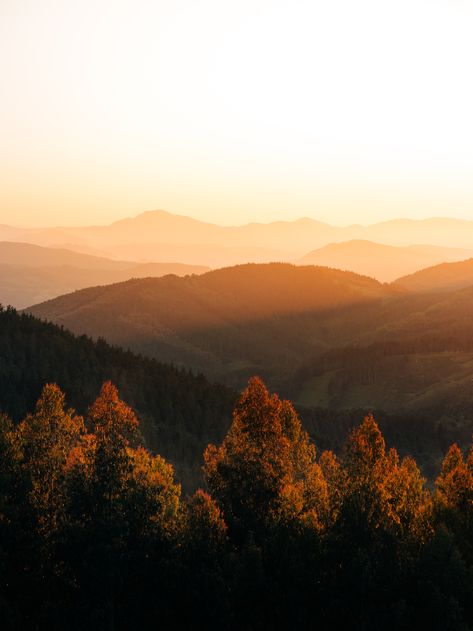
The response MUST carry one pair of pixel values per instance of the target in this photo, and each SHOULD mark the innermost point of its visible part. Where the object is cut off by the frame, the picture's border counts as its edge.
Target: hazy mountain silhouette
(31, 273)
(383, 262)
(30, 255)
(208, 255)
(443, 277)
(154, 235)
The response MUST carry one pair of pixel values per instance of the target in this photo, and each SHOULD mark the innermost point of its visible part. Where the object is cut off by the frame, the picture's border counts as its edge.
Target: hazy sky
(342, 110)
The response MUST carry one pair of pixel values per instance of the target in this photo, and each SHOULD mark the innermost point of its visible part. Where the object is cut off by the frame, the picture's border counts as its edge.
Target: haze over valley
(236, 315)
(158, 243)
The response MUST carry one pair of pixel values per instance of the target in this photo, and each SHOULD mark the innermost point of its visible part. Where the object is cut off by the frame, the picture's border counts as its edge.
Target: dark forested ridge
(95, 532)
(179, 412)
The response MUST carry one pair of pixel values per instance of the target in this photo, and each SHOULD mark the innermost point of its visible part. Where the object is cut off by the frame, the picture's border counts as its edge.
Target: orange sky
(235, 111)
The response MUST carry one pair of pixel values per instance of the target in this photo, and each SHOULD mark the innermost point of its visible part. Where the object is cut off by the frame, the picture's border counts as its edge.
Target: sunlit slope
(229, 323)
(383, 262)
(444, 277)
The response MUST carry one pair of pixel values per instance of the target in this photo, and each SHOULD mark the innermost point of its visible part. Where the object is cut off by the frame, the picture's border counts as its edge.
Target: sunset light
(236, 315)
(235, 111)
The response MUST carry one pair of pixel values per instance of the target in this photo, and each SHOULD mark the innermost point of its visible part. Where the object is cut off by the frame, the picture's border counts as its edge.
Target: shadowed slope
(232, 321)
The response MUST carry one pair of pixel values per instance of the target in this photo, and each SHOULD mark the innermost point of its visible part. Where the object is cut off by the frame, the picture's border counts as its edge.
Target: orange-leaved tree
(265, 470)
(47, 438)
(121, 499)
(382, 495)
(454, 497)
(122, 479)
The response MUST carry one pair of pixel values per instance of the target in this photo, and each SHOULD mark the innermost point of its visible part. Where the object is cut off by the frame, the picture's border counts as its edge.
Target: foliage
(95, 533)
(179, 413)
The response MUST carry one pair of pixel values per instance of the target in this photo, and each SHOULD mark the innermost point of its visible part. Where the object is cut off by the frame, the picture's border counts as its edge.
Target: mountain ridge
(385, 262)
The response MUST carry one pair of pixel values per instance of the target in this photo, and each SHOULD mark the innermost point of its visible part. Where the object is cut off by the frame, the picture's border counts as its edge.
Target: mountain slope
(230, 323)
(179, 413)
(31, 273)
(383, 262)
(159, 232)
(443, 277)
(29, 255)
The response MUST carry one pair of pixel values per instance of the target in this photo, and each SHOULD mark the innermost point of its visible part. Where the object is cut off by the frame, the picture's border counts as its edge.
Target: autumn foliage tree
(46, 438)
(94, 532)
(265, 470)
(381, 493)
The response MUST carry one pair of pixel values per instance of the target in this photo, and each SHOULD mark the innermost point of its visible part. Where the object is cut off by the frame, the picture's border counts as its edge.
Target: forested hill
(179, 413)
(229, 323)
(238, 293)
(443, 277)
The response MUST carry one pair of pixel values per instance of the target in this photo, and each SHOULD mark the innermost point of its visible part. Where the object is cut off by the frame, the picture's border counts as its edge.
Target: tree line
(179, 412)
(95, 532)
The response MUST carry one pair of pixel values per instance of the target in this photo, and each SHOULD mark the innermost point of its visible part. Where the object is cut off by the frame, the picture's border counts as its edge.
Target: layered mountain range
(337, 343)
(38, 264)
(349, 320)
(161, 236)
(31, 273)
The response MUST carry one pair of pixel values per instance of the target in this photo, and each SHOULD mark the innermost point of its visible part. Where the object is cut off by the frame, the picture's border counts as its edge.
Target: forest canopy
(96, 533)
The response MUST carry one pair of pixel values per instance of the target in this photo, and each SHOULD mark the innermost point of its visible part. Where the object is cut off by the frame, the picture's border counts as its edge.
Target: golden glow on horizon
(235, 111)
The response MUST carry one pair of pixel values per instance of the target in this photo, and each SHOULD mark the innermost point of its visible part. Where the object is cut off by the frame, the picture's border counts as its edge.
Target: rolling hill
(229, 323)
(443, 277)
(412, 353)
(384, 262)
(323, 337)
(31, 273)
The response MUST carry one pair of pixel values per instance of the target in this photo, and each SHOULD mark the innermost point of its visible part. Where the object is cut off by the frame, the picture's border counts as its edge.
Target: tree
(454, 498)
(15, 525)
(47, 437)
(122, 503)
(381, 494)
(265, 471)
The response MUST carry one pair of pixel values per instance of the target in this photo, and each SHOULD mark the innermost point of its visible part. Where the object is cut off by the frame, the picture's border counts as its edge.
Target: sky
(347, 112)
